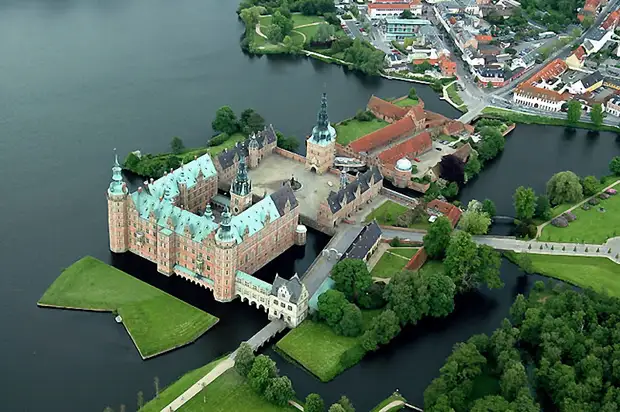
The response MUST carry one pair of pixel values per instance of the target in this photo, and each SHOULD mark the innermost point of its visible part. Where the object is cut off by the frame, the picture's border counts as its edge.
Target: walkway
(193, 390)
(391, 405)
(540, 227)
(262, 336)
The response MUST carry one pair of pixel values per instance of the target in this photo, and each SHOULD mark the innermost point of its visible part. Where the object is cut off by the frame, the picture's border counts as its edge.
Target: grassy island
(156, 321)
(350, 130)
(392, 398)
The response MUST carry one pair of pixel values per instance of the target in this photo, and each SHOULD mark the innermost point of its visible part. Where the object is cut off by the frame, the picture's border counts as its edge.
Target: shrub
(559, 221)
(569, 216)
(364, 115)
(585, 206)
(594, 201)
(395, 242)
(373, 298)
(603, 196)
(219, 139)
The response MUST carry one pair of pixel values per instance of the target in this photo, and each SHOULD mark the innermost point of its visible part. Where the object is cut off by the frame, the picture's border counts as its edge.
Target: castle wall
(320, 157)
(290, 155)
(117, 223)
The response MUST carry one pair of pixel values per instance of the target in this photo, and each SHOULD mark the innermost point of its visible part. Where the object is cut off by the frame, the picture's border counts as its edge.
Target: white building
(541, 99)
(288, 300)
(596, 39)
(613, 107)
(380, 9)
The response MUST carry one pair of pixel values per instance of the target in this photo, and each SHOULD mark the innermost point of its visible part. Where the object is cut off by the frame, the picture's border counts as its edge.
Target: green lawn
(318, 349)
(454, 95)
(298, 20)
(518, 117)
(393, 262)
(387, 213)
(230, 392)
(591, 225)
(301, 20)
(309, 31)
(179, 386)
(407, 102)
(586, 272)
(157, 321)
(354, 129)
(394, 397)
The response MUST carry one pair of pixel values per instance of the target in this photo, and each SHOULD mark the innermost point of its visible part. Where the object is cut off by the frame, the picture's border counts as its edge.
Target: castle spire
(323, 131)
(224, 232)
(241, 186)
(344, 181)
(117, 186)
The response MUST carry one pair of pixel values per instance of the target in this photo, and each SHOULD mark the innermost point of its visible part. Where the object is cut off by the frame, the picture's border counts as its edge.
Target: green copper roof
(168, 185)
(253, 218)
(117, 186)
(261, 284)
(323, 133)
(190, 273)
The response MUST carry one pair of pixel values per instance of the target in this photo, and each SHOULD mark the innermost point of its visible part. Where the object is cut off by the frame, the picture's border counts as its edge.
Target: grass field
(518, 117)
(394, 397)
(586, 272)
(407, 102)
(354, 129)
(298, 20)
(318, 349)
(157, 322)
(454, 95)
(230, 392)
(392, 262)
(179, 386)
(387, 213)
(591, 225)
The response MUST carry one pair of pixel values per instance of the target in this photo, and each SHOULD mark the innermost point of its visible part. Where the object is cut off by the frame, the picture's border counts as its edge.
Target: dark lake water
(78, 78)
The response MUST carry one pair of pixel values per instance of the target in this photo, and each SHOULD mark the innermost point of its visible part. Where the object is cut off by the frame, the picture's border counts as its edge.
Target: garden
(352, 129)
(391, 213)
(156, 321)
(392, 262)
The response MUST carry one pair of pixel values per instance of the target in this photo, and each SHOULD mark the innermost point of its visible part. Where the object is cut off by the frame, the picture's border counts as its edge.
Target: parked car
(438, 148)
(416, 159)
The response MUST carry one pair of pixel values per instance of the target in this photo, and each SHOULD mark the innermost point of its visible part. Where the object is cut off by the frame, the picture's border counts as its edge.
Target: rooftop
(364, 241)
(409, 148)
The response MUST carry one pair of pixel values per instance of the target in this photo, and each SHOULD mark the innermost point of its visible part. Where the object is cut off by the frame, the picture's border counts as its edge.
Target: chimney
(152, 180)
(165, 173)
(140, 189)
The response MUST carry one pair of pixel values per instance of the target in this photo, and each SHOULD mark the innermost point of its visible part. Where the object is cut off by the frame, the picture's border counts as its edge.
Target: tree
(336, 408)
(324, 33)
(573, 113)
(564, 187)
(525, 203)
(351, 323)
(451, 190)
(250, 17)
(614, 165)
(263, 370)
(351, 277)
(513, 380)
(225, 121)
(274, 33)
(474, 220)
(314, 403)
(437, 237)
(364, 57)
(279, 391)
(407, 14)
(289, 46)
(346, 404)
(284, 23)
(492, 143)
(381, 331)
(140, 400)
(453, 169)
(518, 309)
(251, 122)
(156, 385)
(472, 167)
(285, 10)
(131, 161)
(440, 291)
(470, 265)
(489, 207)
(597, 114)
(432, 192)
(590, 185)
(330, 307)
(176, 145)
(244, 359)
(491, 403)
(286, 143)
(543, 208)
(587, 22)
(413, 94)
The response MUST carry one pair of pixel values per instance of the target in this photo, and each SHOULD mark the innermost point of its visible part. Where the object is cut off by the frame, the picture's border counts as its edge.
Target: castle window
(290, 307)
(289, 318)
(282, 305)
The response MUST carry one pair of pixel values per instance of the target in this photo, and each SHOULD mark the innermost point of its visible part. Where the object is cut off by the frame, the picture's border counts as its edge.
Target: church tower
(253, 151)
(321, 146)
(241, 189)
(225, 260)
(118, 227)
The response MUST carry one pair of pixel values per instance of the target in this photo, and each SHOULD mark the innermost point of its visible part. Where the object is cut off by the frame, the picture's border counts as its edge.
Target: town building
(321, 145)
(400, 29)
(590, 9)
(438, 208)
(386, 9)
(613, 106)
(588, 84)
(489, 75)
(447, 66)
(611, 21)
(595, 40)
(577, 58)
(539, 98)
(365, 243)
(288, 300)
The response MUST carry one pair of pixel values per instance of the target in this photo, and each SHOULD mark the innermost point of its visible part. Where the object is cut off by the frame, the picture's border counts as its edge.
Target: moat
(85, 77)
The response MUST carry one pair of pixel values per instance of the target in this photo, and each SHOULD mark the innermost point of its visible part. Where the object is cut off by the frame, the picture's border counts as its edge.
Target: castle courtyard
(274, 170)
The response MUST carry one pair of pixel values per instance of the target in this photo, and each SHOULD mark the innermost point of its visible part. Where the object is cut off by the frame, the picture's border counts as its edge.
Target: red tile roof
(452, 212)
(454, 127)
(417, 112)
(540, 93)
(550, 71)
(386, 108)
(612, 20)
(580, 53)
(389, 6)
(409, 148)
(384, 136)
(484, 38)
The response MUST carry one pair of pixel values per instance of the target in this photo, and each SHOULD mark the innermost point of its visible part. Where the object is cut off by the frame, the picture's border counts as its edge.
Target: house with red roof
(611, 21)
(577, 58)
(457, 128)
(590, 9)
(438, 207)
(385, 110)
(447, 66)
(404, 127)
(410, 148)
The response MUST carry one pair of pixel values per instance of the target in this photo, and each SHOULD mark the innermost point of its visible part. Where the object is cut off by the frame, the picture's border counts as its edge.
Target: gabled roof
(452, 212)
(335, 200)
(263, 137)
(539, 93)
(454, 127)
(409, 148)
(364, 241)
(386, 108)
(282, 196)
(592, 79)
(293, 286)
(383, 136)
(167, 186)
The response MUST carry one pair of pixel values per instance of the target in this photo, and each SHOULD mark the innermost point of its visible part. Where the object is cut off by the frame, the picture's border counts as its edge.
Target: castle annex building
(170, 222)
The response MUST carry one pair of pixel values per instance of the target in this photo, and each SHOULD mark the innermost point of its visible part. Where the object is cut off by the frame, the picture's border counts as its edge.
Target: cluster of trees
(557, 14)
(614, 165)
(450, 170)
(287, 143)
(306, 7)
(364, 57)
(528, 207)
(226, 121)
(568, 339)
(324, 34)
(281, 25)
(574, 110)
(492, 143)
(477, 218)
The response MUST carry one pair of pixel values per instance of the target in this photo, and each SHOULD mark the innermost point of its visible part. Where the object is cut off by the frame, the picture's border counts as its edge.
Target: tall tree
(472, 167)
(314, 403)
(324, 33)
(250, 121)
(470, 265)
(543, 208)
(513, 380)
(244, 359)
(437, 237)
(574, 111)
(525, 203)
(614, 165)
(474, 220)
(492, 143)
(330, 306)
(250, 17)
(402, 297)
(336, 408)
(177, 145)
(346, 404)
(488, 206)
(284, 23)
(440, 290)
(351, 323)
(590, 185)
(351, 277)
(564, 187)
(225, 121)
(597, 114)
(279, 391)
(263, 370)
(274, 33)
(381, 331)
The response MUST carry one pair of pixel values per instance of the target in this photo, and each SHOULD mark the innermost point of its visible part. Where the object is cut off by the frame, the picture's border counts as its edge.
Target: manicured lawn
(300, 19)
(517, 117)
(393, 262)
(309, 31)
(586, 272)
(407, 102)
(591, 225)
(318, 349)
(354, 129)
(179, 386)
(157, 321)
(394, 397)
(454, 95)
(387, 213)
(230, 392)
(432, 266)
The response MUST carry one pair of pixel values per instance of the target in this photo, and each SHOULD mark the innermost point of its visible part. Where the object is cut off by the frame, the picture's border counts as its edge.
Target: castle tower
(225, 260)
(344, 180)
(241, 189)
(321, 146)
(117, 210)
(253, 152)
(300, 235)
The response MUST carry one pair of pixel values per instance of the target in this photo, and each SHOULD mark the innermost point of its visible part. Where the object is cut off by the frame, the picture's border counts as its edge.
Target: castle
(171, 223)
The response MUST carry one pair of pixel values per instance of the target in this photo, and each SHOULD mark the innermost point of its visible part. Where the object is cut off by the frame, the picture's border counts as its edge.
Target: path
(259, 32)
(391, 405)
(540, 227)
(193, 390)
(446, 96)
